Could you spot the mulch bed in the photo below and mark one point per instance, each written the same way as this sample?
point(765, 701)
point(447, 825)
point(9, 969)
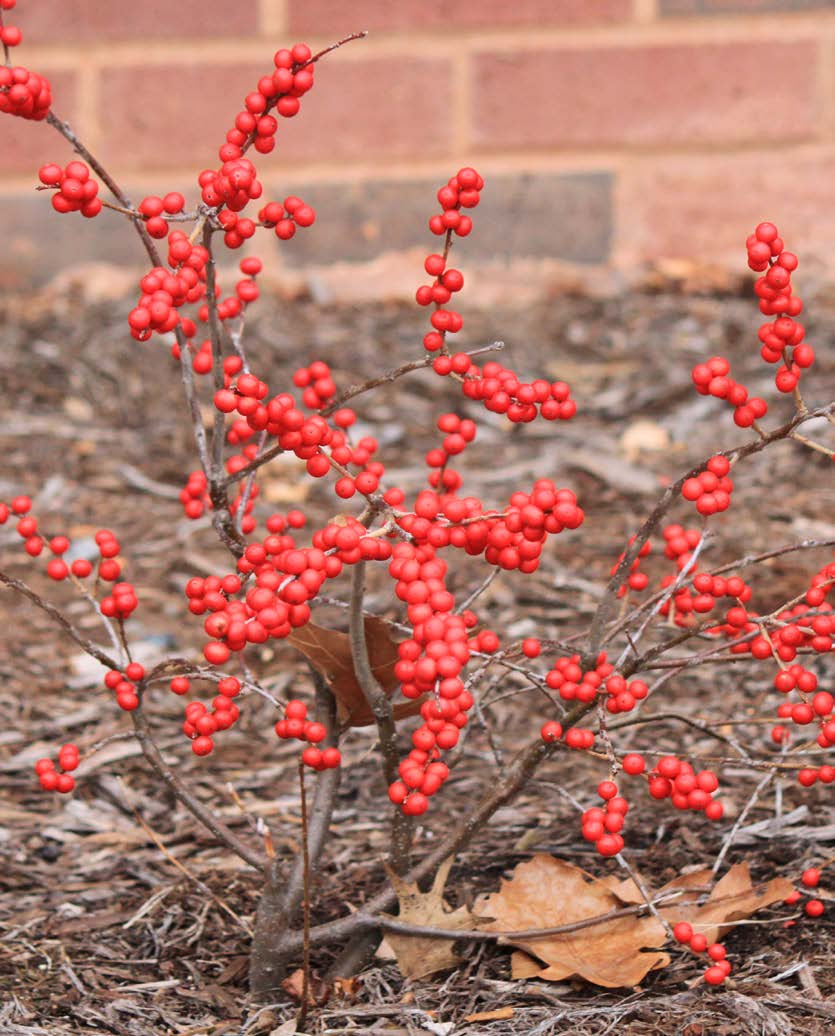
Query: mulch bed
point(103, 933)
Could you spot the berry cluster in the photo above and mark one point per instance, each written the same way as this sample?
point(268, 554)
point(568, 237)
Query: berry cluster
point(781, 338)
point(431, 662)
point(286, 216)
point(813, 907)
point(501, 392)
point(623, 696)
point(318, 389)
point(575, 737)
point(61, 782)
point(286, 577)
point(121, 603)
point(675, 779)
point(713, 379)
point(700, 597)
point(235, 184)
point(152, 208)
point(281, 91)
point(458, 434)
point(295, 724)
point(124, 685)
point(76, 190)
point(498, 388)
point(22, 92)
point(716, 974)
point(109, 567)
point(680, 543)
point(636, 580)
point(200, 724)
point(461, 191)
point(603, 825)
point(711, 489)
point(512, 539)
point(572, 684)
point(164, 291)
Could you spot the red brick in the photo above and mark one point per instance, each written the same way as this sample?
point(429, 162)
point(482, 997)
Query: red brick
point(648, 94)
point(373, 108)
point(38, 243)
point(738, 6)
point(25, 145)
point(703, 207)
point(555, 215)
point(335, 17)
point(58, 21)
point(164, 116)
point(358, 109)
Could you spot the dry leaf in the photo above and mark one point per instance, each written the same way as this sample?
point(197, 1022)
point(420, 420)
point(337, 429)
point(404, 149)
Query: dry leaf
point(329, 652)
point(734, 897)
point(643, 436)
point(318, 990)
point(422, 955)
point(544, 892)
point(347, 988)
point(499, 1015)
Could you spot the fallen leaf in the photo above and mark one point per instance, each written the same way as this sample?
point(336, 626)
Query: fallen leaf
point(499, 1015)
point(318, 990)
point(734, 897)
point(347, 988)
point(544, 892)
point(329, 652)
point(422, 955)
point(643, 436)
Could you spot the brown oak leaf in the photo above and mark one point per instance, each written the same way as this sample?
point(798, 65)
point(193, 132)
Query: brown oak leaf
point(422, 955)
point(544, 892)
point(329, 652)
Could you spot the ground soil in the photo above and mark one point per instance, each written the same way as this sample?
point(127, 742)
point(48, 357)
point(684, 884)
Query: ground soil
point(104, 932)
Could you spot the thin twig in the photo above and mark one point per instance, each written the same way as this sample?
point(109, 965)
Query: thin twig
point(204, 888)
point(86, 645)
point(302, 1015)
point(393, 375)
point(202, 813)
point(740, 820)
point(605, 609)
point(322, 808)
point(382, 711)
point(68, 134)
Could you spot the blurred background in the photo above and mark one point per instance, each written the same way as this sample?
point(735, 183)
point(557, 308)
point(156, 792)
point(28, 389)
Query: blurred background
point(617, 137)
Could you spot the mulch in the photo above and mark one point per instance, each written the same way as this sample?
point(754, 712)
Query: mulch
point(102, 932)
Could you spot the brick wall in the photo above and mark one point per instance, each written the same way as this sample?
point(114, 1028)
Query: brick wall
point(612, 133)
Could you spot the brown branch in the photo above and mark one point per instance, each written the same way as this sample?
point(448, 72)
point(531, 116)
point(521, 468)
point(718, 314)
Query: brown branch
point(202, 813)
point(603, 614)
point(383, 714)
point(68, 134)
point(215, 335)
point(518, 773)
point(86, 645)
point(323, 804)
point(302, 1015)
point(393, 375)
